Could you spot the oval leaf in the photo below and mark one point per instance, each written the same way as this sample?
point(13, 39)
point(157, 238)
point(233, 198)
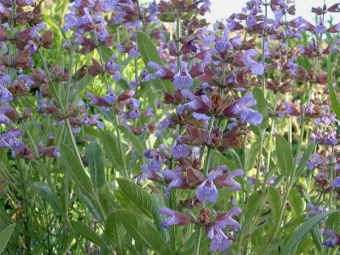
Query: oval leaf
point(275, 202)
point(46, 193)
point(109, 142)
point(138, 195)
point(5, 235)
point(284, 156)
point(88, 233)
point(115, 232)
point(134, 140)
point(94, 155)
point(143, 231)
point(74, 167)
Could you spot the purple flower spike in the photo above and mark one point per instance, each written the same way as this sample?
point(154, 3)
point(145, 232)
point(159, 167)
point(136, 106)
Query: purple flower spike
point(176, 218)
point(207, 191)
point(182, 79)
point(219, 241)
point(248, 61)
point(333, 240)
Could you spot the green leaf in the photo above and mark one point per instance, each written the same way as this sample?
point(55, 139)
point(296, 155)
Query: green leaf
point(74, 167)
point(316, 235)
point(275, 202)
point(123, 84)
point(296, 202)
point(284, 156)
point(46, 193)
point(255, 202)
point(251, 156)
point(5, 235)
point(261, 107)
point(91, 131)
point(88, 233)
point(224, 160)
point(143, 231)
point(157, 203)
point(94, 155)
point(304, 159)
point(136, 194)
point(115, 232)
point(150, 53)
point(81, 86)
point(110, 144)
point(301, 233)
point(236, 158)
point(189, 246)
point(333, 222)
point(92, 205)
point(134, 140)
point(334, 100)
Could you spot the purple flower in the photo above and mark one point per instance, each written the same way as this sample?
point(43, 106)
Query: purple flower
point(248, 61)
point(288, 110)
point(226, 179)
point(320, 28)
point(161, 71)
point(176, 218)
point(224, 220)
point(182, 79)
point(177, 181)
point(336, 182)
point(10, 140)
point(70, 22)
point(207, 191)
point(334, 239)
point(52, 151)
point(155, 165)
point(5, 95)
point(110, 97)
point(314, 210)
point(181, 151)
point(219, 240)
point(240, 109)
point(224, 44)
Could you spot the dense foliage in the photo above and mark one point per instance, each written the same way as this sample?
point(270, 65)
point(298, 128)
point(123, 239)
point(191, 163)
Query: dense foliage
point(140, 128)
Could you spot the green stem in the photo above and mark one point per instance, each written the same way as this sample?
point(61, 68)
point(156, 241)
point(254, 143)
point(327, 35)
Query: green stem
point(259, 163)
point(331, 176)
point(179, 35)
point(205, 172)
point(115, 118)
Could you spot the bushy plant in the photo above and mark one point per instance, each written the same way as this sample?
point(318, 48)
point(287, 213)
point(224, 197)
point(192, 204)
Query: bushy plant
point(141, 128)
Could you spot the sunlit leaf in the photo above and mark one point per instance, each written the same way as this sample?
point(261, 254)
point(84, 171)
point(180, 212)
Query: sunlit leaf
point(5, 235)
